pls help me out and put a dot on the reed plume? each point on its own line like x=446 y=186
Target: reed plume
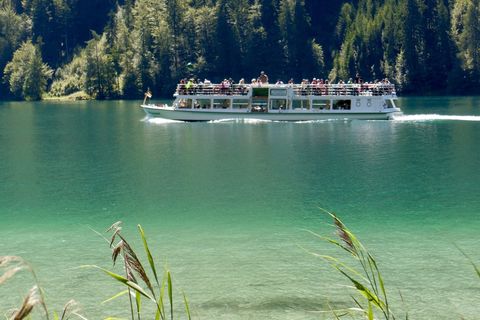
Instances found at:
x=134 y=269
x=11 y=265
x=345 y=235
x=29 y=302
x=366 y=278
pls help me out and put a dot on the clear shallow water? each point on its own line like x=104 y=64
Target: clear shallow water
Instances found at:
x=226 y=204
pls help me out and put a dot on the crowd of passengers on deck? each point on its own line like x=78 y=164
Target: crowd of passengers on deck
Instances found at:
x=316 y=87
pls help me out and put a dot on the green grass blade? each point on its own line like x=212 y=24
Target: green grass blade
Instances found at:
x=115 y=296
x=360 y=307
x=365 y=292
x=475 y=267
x=187 y=307
x=123 y=280
x=160 y=306
x=138 y=302
x=381 y=283
x=337 y=264
x=370 y=311
x=330 y=240
x=149 y=254
x=79 y=315
x=159 y=314
x=170 y=293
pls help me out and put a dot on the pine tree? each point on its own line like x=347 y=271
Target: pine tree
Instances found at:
x=413 y=45
x=271 y=53
x=466 y=34
x=227 y=49
x=286 y=24
x=175 y=18
x=100 y=77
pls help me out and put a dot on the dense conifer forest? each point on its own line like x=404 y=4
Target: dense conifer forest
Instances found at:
x=119 y=48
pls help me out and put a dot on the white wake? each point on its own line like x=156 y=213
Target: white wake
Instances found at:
x=160 y=120
x=435 y=117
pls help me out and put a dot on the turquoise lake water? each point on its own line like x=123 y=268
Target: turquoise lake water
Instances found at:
x=226 y=205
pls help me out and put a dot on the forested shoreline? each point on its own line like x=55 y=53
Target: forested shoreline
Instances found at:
x=118 y=49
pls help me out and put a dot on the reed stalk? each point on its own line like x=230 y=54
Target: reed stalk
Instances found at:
x=475 y=267
x=365 y=276
x=138 y=281
x=9 y=267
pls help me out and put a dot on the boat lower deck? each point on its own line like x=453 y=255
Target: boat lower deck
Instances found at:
x=273 y=115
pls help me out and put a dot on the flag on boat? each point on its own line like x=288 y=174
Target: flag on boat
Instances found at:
x=148 y=94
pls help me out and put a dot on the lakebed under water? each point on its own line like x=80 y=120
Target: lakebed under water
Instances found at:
x=226 y=205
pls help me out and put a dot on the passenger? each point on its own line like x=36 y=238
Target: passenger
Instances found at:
x=321 y=85
x=314 y=86
x=208 y=86
x=200 y=88
x=241 y=86
x=263 y=78
x=229 y=85
x=181 y=87
x=341 y=85
x=304 y=85
x=279 y=82
x=189 y=86
x=224 y=86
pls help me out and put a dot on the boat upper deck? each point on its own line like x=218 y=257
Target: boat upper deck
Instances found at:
x=318 y=89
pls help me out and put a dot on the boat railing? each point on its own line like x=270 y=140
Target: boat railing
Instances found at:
x=319 y=89
x=364 y=89
x=212 y=89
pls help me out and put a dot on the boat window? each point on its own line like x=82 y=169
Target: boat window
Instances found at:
x=342 y=105
x=185 y=103
x=202 y=104
x=278 y=104
x=389 y=104
x=278 y=92
x=260 y=92
x=259 y=104
x=259 y=101
x=221 y=103
x=321 y=104
x=240 y=103
x=300 y=104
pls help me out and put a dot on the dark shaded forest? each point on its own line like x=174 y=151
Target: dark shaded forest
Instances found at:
x=119 y=48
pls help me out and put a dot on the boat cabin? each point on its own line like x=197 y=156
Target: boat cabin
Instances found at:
x=286 y=98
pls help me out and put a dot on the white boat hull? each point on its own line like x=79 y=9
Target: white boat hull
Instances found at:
x=283 y=115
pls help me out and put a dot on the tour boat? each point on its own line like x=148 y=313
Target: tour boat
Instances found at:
x=278 y=102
